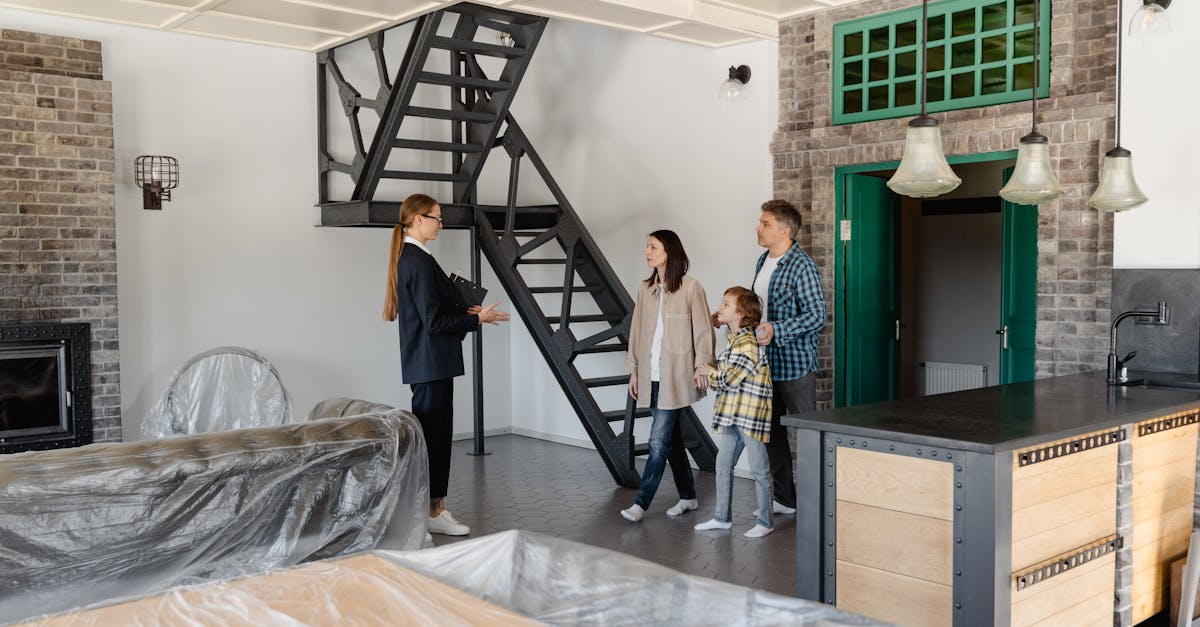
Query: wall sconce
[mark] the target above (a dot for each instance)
(732, 93)
(157, 176)
(1150, 20)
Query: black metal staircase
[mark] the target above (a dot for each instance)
(582, 314)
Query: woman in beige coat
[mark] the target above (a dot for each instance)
(670, 338)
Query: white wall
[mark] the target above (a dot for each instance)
(627, 124)
(1161, 128)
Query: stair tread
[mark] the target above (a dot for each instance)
(418, 144)
(438, 78)
(596, 382)
(542, 261)
(423, 176)
(555, 289)
(477, 47)
(603, 348)
(586, 318)
(614, 416)
(450, 114)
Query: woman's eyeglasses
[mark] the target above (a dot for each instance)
(438, 218)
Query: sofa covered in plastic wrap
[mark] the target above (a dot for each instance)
(90, 524)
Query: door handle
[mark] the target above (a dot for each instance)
(1003, 333)
(898, 327)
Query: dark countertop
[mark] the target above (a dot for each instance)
(1007, 417)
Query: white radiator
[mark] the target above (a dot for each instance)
(942, 377)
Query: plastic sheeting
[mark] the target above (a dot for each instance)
(219, 390)
(411, 517)
(567, 583)
(84, 525)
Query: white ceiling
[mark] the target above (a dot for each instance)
(318, 24)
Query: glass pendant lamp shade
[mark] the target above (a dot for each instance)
(923, 171)
(1118, 190)
(1033, 181)
(1149, 21)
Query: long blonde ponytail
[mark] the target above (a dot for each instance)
(413, 206)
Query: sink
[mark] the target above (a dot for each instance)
(1163, 383)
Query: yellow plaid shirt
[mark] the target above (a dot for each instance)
(742, 382)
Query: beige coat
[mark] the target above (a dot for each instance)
(687, 343)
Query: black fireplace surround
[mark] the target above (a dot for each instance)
(45, 386)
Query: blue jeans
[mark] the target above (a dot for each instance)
(666, 446)
(731, 441)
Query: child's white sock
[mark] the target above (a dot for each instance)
(710, 525)
(758, 531)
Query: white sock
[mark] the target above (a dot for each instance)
(634, 513)
(710, 525)
(684, 505)
(758, 531)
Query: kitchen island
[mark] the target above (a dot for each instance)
(1057, 501)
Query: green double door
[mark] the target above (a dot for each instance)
(869, 292)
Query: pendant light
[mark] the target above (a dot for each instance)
(1150, 20)
(1033, 180)
(1117, 191)
(923, 171)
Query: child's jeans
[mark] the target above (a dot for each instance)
(731, 441)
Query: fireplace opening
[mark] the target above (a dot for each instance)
(45, 386)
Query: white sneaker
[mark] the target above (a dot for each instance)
(445, 524)
(779, 508)
(713, 524)
(428, 539)
(758, 531)
(684, 505)
(634, 513)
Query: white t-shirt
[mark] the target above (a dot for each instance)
(656, 343)
(762, 283)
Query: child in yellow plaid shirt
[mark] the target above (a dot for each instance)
(742, 411)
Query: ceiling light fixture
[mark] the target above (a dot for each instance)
(1033, 179)
(924, 171)
(1150, 20)
(1118, 190)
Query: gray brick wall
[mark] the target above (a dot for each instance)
(58, 256)
(1074, 241)
(48, 54)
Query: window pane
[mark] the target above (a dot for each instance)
(852, 45)
(964, 22)
(852, 72)
(936, 27)
(962, 85)
(1022, 76)
(906, 34)
(995, 16)
(879, 68)
(906, 93)
(877, 98)
(879, 39)
(1022, 12)
(906, 63)
(963, 53)
(852, 101)
(995, 48)
(1023, 44)
(937, 89)
(995, 80)
(937, 59)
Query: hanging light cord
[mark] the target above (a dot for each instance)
(1120, 14)
(1037, 17)
(924, 51)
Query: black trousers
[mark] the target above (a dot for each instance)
(433, 404)
(789, 397)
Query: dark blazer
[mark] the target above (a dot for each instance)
(431, 319)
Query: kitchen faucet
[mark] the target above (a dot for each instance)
(1116, 367)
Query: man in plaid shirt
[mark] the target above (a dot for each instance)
(789, 284)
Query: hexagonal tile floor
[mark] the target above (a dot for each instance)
(566, 491)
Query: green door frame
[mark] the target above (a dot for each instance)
(839, 314)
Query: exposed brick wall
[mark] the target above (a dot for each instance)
(48, 54)
(1074, 241)
(58, 257)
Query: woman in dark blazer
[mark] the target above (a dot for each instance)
(432, 326)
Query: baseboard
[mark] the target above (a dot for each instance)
(587, 444)
(487, 433)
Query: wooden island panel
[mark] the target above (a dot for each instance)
(1164, 473)
(895, 537)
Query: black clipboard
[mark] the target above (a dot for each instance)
(468, 293)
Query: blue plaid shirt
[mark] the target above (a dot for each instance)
(796, 311)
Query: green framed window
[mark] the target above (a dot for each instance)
(980, 53)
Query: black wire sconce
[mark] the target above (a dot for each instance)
(157, 176)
